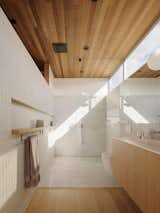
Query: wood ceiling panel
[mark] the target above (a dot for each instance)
(110, 28)
(24, 21)
(145, 72)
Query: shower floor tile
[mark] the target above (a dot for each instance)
(77, 172)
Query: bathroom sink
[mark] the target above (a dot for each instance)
(149, 142)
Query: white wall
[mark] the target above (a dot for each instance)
(65, 106)
(141, 94)
(51, 80)
(19, 79)
(140, 86)
(77, 86)
(69, 96)
(112, 117)
(87, 138)
(147, 105)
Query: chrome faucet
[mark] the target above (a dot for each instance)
(141, 135)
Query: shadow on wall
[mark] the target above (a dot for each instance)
(77, 115)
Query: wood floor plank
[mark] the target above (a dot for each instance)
(87, 201)
(66, 201)
(123, 201)
(105, 201)
(81, 200)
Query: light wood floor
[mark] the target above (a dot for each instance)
(78, 200)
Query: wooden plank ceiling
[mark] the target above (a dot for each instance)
(109, 29)
(145, 72)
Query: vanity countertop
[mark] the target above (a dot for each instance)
(150, 145)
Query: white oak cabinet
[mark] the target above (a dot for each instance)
(138, 171)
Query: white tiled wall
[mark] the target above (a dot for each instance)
(77, 172)
(87, 138)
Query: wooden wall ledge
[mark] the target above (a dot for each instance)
(21, 132)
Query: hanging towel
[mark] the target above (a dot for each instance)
(31, 162)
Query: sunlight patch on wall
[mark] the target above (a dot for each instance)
(133, 114)
(76, 117)
(117, 78)
(61, 130)
(99, 95)
(8, 176)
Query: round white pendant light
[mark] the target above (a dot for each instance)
(154, 61)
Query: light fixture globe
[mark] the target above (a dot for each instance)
(154, 61)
